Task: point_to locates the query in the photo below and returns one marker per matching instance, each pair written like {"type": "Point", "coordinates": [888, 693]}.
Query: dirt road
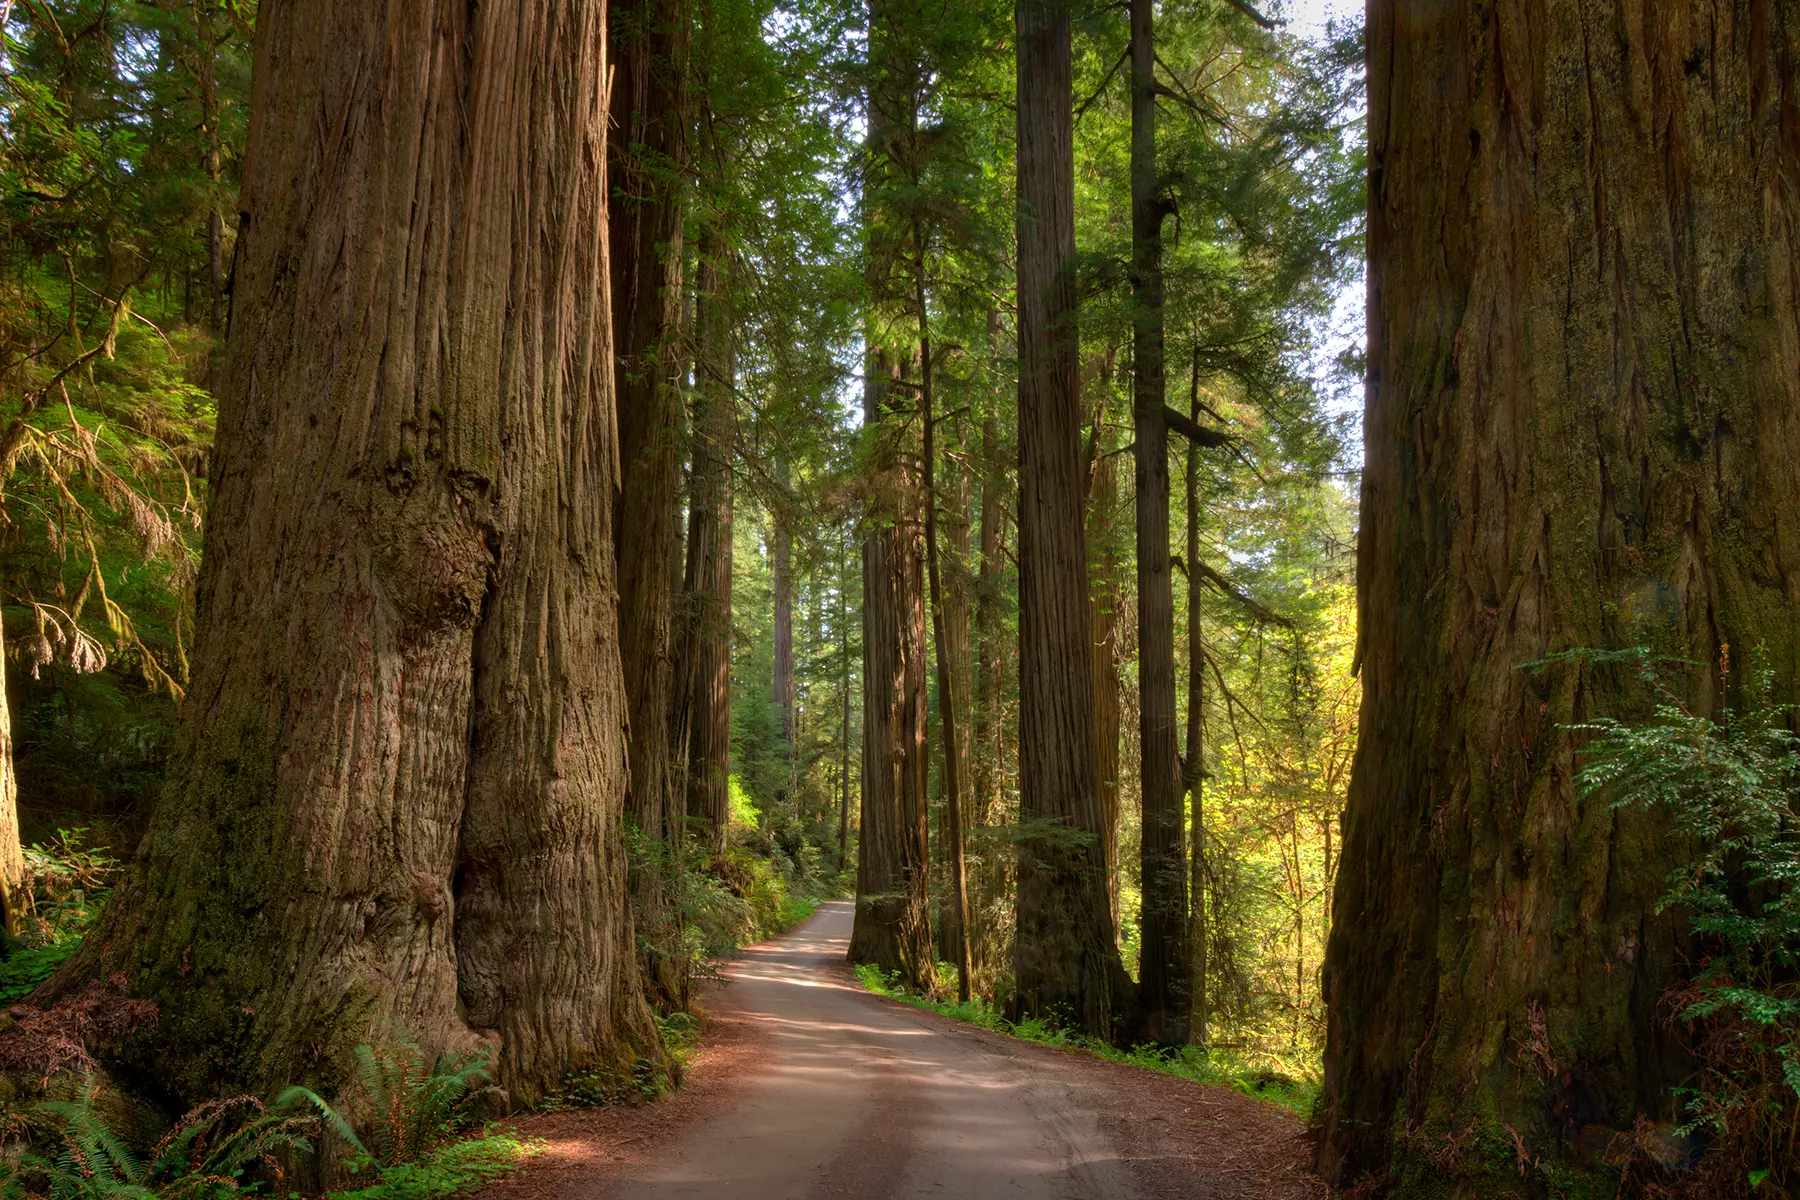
{"type": "Point", "coordinates": [865, 1098]}
{"type": "Point", "coordinates": [806, 1087]}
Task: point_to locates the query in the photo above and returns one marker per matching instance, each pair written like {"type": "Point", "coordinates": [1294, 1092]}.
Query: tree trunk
{"type": "Point", "coordinates": [15, 897]}
{"type": "Point", "coordinates": [993, 886]}
{"type": "Point", "coordinates": [1106, 607]}
{"type": "Point", "coordinates": [1164, 975]}
{"type": "Point", "coordinates": [893, 921]}
{"type": "Point", "coordinates": [893, 916]}
{"type": "Point", "coordinates": [844, 736]}
{"type": "Point", "coordinates": [394, 803]}
{"type": "Point", "coordinates": [1193, 766]}
{"type": "Point", "coordinates": [1066, 956]}
{"type": "Point", "coordinates": [947, 666]}
{"type": "Point", "coordinates": [783, 556]}
{"type": "Point", "coordinates": [647, 48]}
{"type": "Point", "coordinates": [1584, 370]}
{"type": "Point", "coordinates": [707, 655]}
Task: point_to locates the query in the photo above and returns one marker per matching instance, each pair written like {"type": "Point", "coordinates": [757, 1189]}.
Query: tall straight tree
{"type": "Point", "coordinates": [1065, 954]}
{"type": "Point", "coordinates": [706, 657]}
{"type": "Point", "coordinates": [782, 564]}
{"type": "Point", "coordinates": [395, 799]}
{"type": "Point", "coordinates": [1165, 984]}
{"type": "Point", "coordinates": [647, 43]}
{"type": "Point", "coordinates": [893, 921]}
{"type": "Point", "coordinates": [1584, 370]}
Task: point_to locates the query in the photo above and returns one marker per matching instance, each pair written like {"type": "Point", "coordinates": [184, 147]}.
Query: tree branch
{"type": "Point", "coordinates": [1195, 432]}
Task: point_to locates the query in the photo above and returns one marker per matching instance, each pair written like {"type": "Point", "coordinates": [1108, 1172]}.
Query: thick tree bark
{"type": "Point", "coordinates": [893, 921]}
{"type": "Point", "coordinates": [394, 804]}
{"type": "Point", "coordinates": [647, 44]}
{"type": "Point", "coordinates": [893, 916]}
{"type": "Point", "coordinates": [1583, 430]}
{"type": "Point", "coordinates": [706, 656]}
{"type": "Point", "coordinates": [1065, 956]}
{"type": "Point", "coordinates": [1164, 974]}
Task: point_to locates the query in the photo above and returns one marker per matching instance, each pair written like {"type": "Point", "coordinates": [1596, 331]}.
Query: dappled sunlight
{"type": "Point", "coordinates": [863, 1097]}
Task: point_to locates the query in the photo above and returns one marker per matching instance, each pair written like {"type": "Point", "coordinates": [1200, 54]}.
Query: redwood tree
{"type": "Point", "coordinates": [1065, 954]}
{"type": "Point", "coordinates": [394, 803]}
{"type": "Point", "coordinates": [646, 152]}
{"type": "Point", "coordinates": [1583, 430]}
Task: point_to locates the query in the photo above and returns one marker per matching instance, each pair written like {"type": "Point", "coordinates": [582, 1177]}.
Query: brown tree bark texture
{"type": "Point", "coordinates": [647, 46]}
{"type": "Point", "coordinates": [1583, 430]}
{"type": "Point", "coordinates": [395, 799]}
{"type": "Point", "coordinates": [706, 658]}
{"type": "Point", "coordinates": [1065, 954]}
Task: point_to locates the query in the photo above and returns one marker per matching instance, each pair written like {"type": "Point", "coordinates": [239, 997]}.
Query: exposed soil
{"type": "Point", "coordinates": [806, 1086]}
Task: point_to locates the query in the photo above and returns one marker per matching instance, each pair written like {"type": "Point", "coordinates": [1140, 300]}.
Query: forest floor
{"type": "Point", "coordinates": [807, 1086]}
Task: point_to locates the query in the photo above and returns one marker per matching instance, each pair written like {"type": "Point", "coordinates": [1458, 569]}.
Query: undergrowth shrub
{"type": "Point", "coordinates": [1730, 783]}
{"type": "Point", "coordinates": [67, 883]}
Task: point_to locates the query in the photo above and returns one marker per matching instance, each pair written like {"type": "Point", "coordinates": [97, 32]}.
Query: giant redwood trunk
{"type": "Point", "coordinates": [892, 929]}
{"type": "Point", "coordinates": [1065, 955]}
{"type": "Point", "coordinates": [648, 50]}
{"type": "Point", "coordinates": [705, 723]}
{"type": "Point", "coordinates": [893, 920]}
{"type": "Point", "coordinates": [1583, 430]}
{"type": "Point", "coordinates": [394, 803]}
{"type": "Point", "coordinates": [1164, 982]}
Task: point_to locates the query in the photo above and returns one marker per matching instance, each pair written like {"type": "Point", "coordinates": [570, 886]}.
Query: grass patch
{"type": "Point", "coordinates": [450, 1169]}
{"type": "Point", "coordinates": [1191, 1062]}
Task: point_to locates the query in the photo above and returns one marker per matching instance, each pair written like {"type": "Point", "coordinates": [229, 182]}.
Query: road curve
{"type": "Point", "coordinates": [867, 1098]}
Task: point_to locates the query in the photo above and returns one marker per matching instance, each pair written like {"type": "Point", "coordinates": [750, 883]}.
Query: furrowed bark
{"type": "Point", "coordinates": [1065, 957]}
{"type": "Point", "coordinates": [407, 713]}
{"type": "Point", "coordinates": [1164, 974]}
{"type": "Point", "coordinates": [1583, 430]}
{"type": "Point", "coordinates": [15, 897]}
{"type": "Point", "coordinates": [647, 43]}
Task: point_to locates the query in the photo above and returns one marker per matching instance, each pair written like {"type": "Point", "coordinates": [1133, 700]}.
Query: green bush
{"type": "Point", "coordinates": [68, 884]}
{"type": "Point", "coordinates": [1729, 783]}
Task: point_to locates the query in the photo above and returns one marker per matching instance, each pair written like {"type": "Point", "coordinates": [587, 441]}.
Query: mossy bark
{"type": "Point", "coordinates": [1583, 430]}
{"type": "Point", "coordinates": [394, 803]}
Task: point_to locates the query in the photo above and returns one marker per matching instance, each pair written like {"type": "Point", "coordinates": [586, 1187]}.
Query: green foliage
{"type": "Point", "coordinates": [1263, 1081]}
{"type": "Point", "coordinates": [603, 1087]}
{"type": "Point", "coordinates": [67, 883]}
{"type": "Point", "coordinates": [1728, 783]}
{"type": "Point", "coordinates": [220, 1149]}
{"type": "Point", "coordinates": [450, 1169]}
{"type": "Point", "coordinates": [408, 1105]}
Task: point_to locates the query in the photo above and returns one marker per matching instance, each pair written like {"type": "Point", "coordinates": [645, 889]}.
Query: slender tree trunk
{"type": "Point", "coordinates": [1584, 370]}
{"type": "Point", "coordinates": [1164, 974]}
{"type": "Point", "coordinates": [989, 798]}
{"type": "Point", "coordinates": [1066, 957]}
{"type": "Point", "coordinates": [206, 76]}
{"type": "Point", "coordinates": [783, 563]}
{"type": "Point", "coordinates": [947, 667]}
{"type": "Point", "coordinates": [844, 737]}
{"type": "Point", "coordinates": [395, 800]}
{"type": "Point", "coordinates": [1107, 604]}
{"type": "Point", "coordinates": [707, 658]}
{"type": "Point", "coordinates": [647, 47]}
{"type": "Point", "coordinates": [15, 897]}
{"type": "Point", "coordinates": [1193, 767]}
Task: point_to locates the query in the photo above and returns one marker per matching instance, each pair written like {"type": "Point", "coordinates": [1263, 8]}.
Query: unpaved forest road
{"type": "Point", "coordinates": [867, 1098]}
{"type": "Point", "coordinates": [807, 1087]}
